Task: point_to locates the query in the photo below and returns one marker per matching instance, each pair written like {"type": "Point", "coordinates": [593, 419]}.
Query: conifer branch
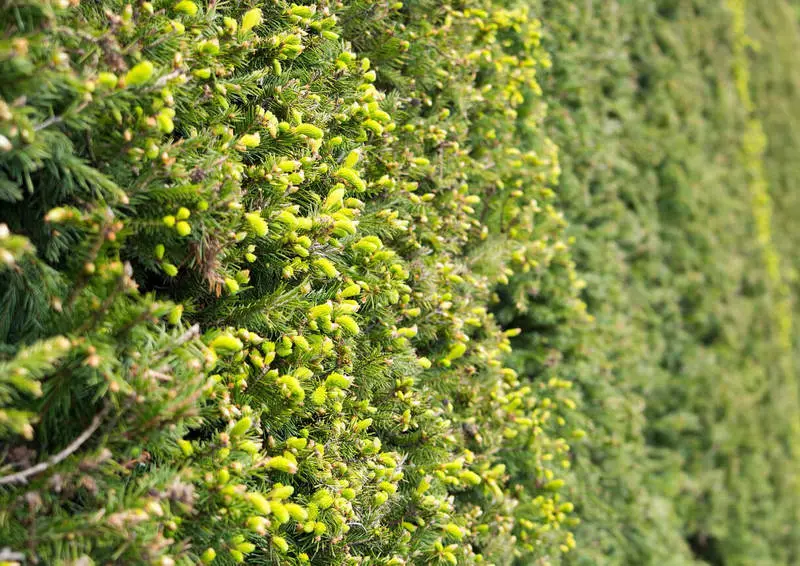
{"type": "Point", "coordinates": [22, 476]}
{"type": "Point", "coordinates": [59, 118]}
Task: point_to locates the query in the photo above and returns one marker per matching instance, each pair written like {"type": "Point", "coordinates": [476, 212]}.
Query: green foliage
{"type": "Point", "coordinates": [686, 378]}
{"type": "Point", "coordinates": [248, 252]}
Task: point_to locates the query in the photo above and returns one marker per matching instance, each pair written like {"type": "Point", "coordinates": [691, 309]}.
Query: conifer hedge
{"type": "Point", "coordinates": [246, 257]}
{"type": "Point", "coordinates": [674, 120]}
{"type": "Point", "coordinates": [295, 284]}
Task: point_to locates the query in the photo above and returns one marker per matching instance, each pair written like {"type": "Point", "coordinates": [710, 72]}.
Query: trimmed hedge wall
{"type": "Point", "coordinates": [678, 203]}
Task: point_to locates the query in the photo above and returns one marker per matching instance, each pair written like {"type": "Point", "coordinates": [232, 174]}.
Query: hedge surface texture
{"type": "Point", "coordinates": [396, 283]}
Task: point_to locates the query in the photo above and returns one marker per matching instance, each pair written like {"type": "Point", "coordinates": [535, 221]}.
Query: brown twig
{"type": "Point", "coordinates": [22, 477]}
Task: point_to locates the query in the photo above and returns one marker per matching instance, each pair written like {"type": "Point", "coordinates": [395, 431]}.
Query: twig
{"type": "Point", "coordinates": [166, 78]}
{"type": "Point", "coordinates": [22, 477]}
{"type": "Point", "coordinates": [57, 119]}
{"type": "Point", "coordinates": [8, 554]}
{"type": "Point", "coordinates": [191, 333]}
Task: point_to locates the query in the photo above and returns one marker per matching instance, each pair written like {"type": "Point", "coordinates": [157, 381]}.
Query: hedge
{"type": "Point", "coordinates": [385, 283]}
{"type": "Point", "coordinates": [675, 185]}
{"type": "Point", "coordinates": [247, 257]}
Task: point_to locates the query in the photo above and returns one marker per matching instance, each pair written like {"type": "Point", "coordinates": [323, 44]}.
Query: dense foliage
{"type": "Point", "coordinates": [262, 266]}
{"type": "Point", "coordinates": [246, 281]}
{"type": "Point", "coordinates": [687, 379]}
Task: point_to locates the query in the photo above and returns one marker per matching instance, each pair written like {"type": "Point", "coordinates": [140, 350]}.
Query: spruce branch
{"type": "Point", "coordinates": [22, 476]}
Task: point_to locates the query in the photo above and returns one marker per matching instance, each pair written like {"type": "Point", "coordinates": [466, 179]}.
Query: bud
{"type": "Point", "coordinates": [257, 224]}
{"type": "Point", "coordinates": [251, 19]}
{"type": "Point", "coordinates": [363, 425]}
{"type": "Point", "coordinates": [320, 395]}
{"type": "Point", "coordinates": [350, 291]}
{"type": "Point", "coordinates": [280, 543]}
{"type": "Point", "coordinates": [282, 464]}
{"type": "Point", "coordinates": [241, 427]}
{"type": "Point", "coordinates": [323, 499]}
{"type": "Point", "coordinates": [326, 266]}
{"type": "Point", "coordinates": [308, 130]}
{"type": "Point", "coordinates": [457, 351]}
{"type": "Point", "coordinates": [174, 26]}
{"type": "Point", "coordinates": [232, 285]}
{"type": "Point", "coordinates": [230, 25]}
{"type": "Point", "coordinates": [469, 477]}
{"type": "Point", "coordinates": [59, 214]}
{"type": "Point", "coordinates": [325, 309]}
{"type": "Point", "coordinates": [302, 11]}
{"type": "Point", "coordinates": [296, 512]}
{"type": "Point", "coordinates": [257, 524]}
{"type": "Point", "coordinates": [186, 7]}
{"type": "Point", "coordinates": [208, 556]}
{"type": "Point", "coordinates": [337, 380]}
{"type": "Point", "coordinates": [183, 228]}
{"type": "Point", "coordinates": [259, 502]}
{"type": "Point", "coordinates": [280, 512]}
{"type": "Point", "coordinates": [250, 140]}
{"type": "Point", "coordinates": [453, 530]}
{"type": "Point", "coordinates": [352, 177]}
{"type": "Point", "coordinates": [281, 491]}
{"type": "Point", "coordinates": [209, 47]}
{"type": "Point", "coordinates": [334, 199]}
{"type": "Point", "coordinates": [245, 547]}
{"type": "Point", "coordinates": [226, 342]}
{"type": "Point", "coordinates": [186, 447]}
{"type": "Point", "coordinates": [351, 160]}
{"type": "Point", "coordinates": [373, 126]}
{"type": "Point", "coordinates": [297, 443]}
{"type": "Point", "coordinates": [348, 323]}
{"type": "Point", "coordinates": [139, 74]}
{"type": "Point", "coordinates": [107, 80]}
